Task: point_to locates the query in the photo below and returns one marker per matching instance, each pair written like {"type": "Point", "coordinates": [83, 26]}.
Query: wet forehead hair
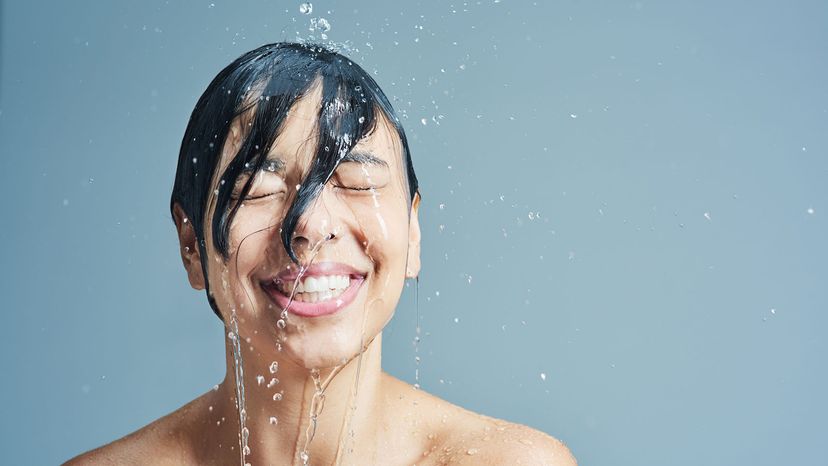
{"type": "Point", "coordinates": [268, 81]}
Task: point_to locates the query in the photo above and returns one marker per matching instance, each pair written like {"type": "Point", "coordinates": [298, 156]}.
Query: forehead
{"type": "Point", "coordinates": [298, 137]}
{"type": "Point", "coordinates": [297, 141]}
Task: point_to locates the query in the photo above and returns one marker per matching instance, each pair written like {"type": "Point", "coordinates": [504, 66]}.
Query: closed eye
{"type": "Point", "coordinates": [354, 188]}
{"type": "Point", "coordinates": [262, 196]}
{"type": "Point", "coordinates": [248, 197]}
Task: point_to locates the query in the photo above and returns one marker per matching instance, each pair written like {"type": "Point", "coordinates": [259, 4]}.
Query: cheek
{"type": "Point", "coordinates": [389, 253]}
{"type": "Point", "coordinates": [252, 233]}
{"type": "Point", "coordinates": [381, 218]}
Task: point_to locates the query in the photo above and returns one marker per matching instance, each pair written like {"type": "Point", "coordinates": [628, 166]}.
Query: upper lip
{"type": "Point", "coordinates": [314, 270]}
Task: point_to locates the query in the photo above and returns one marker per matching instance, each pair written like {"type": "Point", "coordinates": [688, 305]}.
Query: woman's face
{"type": "Point", "coordinates": [358, 238]}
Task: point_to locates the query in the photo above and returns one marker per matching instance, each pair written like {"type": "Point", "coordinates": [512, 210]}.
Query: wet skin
{"type": "Point", "coordinates": [363, 218]}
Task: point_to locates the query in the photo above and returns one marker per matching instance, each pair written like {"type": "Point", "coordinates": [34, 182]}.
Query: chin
{"type": "Point", "coordinates": [323, 349]}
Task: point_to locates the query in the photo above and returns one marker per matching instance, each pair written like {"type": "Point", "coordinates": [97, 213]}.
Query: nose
{"type": "Point", "coordinates": [318, 225]}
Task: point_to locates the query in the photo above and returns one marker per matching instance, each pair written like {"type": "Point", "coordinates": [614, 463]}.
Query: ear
{"type": "Point", "coordinates": [412, 268]}
{"type": "Point", "coordinates": [190, 254]}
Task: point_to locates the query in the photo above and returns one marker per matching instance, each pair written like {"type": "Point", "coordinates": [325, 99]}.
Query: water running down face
{"type": "Point", "coordinates": [356, 243]}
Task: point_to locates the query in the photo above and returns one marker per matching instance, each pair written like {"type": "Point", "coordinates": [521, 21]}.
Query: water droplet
{"type": "Point", "coordinates": [273, 420]}
{"type": "Point", "coordinates": [707, 215]}
{"type": "Point", "coordinates": [272, 382]}
{"type": "Point", "coordinates": [321, 24]}
{"type": "Point", "coordinates": [281, 323]}
{"type": "Point", "coordinates": [260, 379]}
{"type": "Point", "coordinates": [306, 8]}
{"type": "Point", "coordinates": [423, 121]}
{"type": "Point", "coordinates": [456, 320]}
{"type": "Point", "coordinates": [471, 451]}
{"type": "Point", "coordinates": [246, 451]}
{"type": "Point", "coordinates": [543, 376]}
{"type": "Point", "coordinates": [274, 366]}
{"type": "Point", "coordinates": [773, 311]}
{"type": "Point", "coordinates": [91, 180]}
{"type": "Point", "coordinates": [277, 396]}
{"type": "Point", "coordinates": [811, 210]}
{"type": "Point", "coordinates": [573, 116]}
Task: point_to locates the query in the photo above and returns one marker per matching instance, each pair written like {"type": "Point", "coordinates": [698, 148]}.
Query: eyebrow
{"type": "Point", "coordinates": [271, 164]}
{"type": "Point", "coordinates": [364, 157]}
{"type": "Point", "coordinates": [274, 163]}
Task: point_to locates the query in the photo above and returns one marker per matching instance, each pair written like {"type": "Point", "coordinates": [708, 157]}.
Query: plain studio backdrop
{"type": "Point", "coordinates": [624, 216]}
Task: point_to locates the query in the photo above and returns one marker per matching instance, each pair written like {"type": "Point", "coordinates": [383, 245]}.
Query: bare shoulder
{"type": "Point", "coordinates": [488, 441]}
{"type": "Point", "coordinates": [131, 449]}
{"type": "Point", "coordinates": [461, 437]}
{"type": "Point", "coordinates": [157, 443]}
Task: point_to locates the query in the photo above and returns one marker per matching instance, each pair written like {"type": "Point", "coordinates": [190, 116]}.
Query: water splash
{"type": "Point", "coordinates": [283, 316]}
{"type": "Point", "coordinates": [353, 396]}
{"type": "Point", "coordinates": [317, 405]}
{"type": "Point", "coordinates": [417, 335]}
{"type": "Point", "coordinates": [238, 365]}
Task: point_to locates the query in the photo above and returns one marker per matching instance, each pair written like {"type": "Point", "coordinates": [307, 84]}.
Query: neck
{"type": "Point", "coordinates": [344, 401]}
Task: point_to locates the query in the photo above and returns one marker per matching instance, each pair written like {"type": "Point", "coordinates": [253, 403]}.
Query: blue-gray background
{"type": "Point", "coordinates": [634, 205]}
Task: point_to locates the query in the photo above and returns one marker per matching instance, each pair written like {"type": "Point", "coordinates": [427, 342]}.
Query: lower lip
{"type": "Point", "coordinates": [321, 308]}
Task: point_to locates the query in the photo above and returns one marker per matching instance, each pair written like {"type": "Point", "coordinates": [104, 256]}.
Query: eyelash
{"type": "Point", "coordinates": [354, 189]}
{"type": "Point", "coordinates": [253, 198]}
{"type": "Point", "coordinates": [250, 198]}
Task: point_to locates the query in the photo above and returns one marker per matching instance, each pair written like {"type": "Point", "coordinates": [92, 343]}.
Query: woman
{"type": "Point", "coordinates": [296, 206]}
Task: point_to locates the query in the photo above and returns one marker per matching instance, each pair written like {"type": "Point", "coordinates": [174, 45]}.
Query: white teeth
{"type": "Point", "coordinates": [326, 286]}
{"type": "Point", "coordinates": [314, 297]}
{"type": "Point", "coordinates": [313, 284]}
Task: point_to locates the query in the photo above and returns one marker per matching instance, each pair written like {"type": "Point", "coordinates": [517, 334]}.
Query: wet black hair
{"type": "Point", "coordinates": [268, 81]}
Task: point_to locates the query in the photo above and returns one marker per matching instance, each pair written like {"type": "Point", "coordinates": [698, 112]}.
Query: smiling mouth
{"type": "Point", "coordinates": [316, 289]}
{"type": "Point", "coordinates": [323, 289]}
